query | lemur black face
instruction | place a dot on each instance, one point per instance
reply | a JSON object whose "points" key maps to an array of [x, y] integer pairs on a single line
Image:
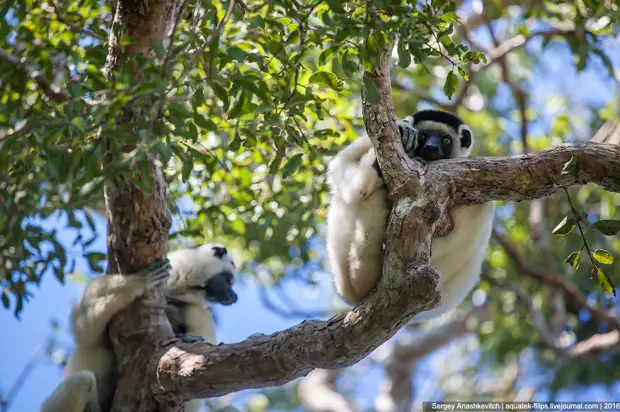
{"points": [[219, 289], [433, 145]]}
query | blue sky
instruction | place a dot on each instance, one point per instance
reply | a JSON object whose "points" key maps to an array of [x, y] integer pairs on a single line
{"points": [[52, 300]]}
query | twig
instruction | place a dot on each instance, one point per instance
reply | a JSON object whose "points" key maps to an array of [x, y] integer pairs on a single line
{"points": [[555, 280], [53, 92], [6, 401], [540, 323]]}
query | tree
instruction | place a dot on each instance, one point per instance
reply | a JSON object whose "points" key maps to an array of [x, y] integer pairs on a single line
{"points": [[198, 87]]}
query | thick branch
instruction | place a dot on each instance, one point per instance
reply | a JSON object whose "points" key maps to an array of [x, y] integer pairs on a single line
{"points": [[420, 196], [530, 176]]}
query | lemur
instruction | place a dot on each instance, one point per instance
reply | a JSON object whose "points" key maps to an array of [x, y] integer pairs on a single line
{"points": [[195, 278], [359, 210]]}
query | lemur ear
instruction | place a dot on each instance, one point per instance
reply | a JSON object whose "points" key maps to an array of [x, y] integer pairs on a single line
{"points": [[466, 136], [219, 251]]}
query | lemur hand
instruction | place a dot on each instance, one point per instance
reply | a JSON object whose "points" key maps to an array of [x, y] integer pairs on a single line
{"points": [[157, 273], [409, 135]]}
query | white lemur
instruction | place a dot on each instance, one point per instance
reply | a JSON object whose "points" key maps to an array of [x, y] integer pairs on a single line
{"points": [[199, 275], [359, 209]]}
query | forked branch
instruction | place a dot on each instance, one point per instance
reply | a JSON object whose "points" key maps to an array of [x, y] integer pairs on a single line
{"points": [[420, 195]]}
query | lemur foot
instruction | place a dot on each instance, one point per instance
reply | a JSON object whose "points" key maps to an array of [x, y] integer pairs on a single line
{"points": [[157, 273], [408, 134], [191, 338]]}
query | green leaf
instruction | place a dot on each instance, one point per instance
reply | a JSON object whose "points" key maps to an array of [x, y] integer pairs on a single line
{"points": [[235, 110], [236, 53], [603, 279], [292, 165], [221, 94], [573, 259], [327, 79], [254, 85], [75, 89], [79, 122], [607, 227], [570, 166], [603, 256], [5, 300], [186, 170], [93, 261], [449, 86], [564, 227], [181, 109], [372, 93], [404, 58], [204, 123], [158, 48]]}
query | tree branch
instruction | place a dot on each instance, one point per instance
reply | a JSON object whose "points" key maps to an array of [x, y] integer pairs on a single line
{"points": [[555, 280], [596, 344], [530, 176], [317, 394], [53, 92], [396, 391], [540, 323], [420, 196]]}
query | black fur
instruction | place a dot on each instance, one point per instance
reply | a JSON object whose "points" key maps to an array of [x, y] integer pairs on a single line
{"points": [[220, 251], [437, 116], [465, 138], [219, 289]]}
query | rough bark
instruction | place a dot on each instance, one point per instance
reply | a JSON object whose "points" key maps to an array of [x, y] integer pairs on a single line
{"points": [[138, 225]]}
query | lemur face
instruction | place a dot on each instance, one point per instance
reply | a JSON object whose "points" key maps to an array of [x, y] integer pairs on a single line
{"points": [[441, 135], [218, 273], [434, 145]]}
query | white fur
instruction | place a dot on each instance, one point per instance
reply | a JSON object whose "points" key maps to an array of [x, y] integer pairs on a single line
{"points": [[357, 219], [90, 375]]}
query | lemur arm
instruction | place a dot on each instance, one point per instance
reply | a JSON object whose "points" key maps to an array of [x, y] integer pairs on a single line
{"points": [[90, 373], [107, 295]]}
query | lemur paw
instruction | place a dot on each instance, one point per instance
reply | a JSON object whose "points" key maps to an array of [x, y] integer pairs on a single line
{"points": [[192, 338], [408, 134], [157, 273]]}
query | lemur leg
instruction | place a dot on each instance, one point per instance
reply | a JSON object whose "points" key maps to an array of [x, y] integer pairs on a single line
{"points": [[356, 221], [366, 254], [460, 273], [107, 295], [77, 393]]}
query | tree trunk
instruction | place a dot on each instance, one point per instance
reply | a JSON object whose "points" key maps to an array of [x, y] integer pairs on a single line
{"points": [[138, 223]]}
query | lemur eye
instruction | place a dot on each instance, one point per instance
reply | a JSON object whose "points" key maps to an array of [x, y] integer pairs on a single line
{"points": [[447, 140]]}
